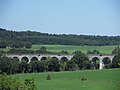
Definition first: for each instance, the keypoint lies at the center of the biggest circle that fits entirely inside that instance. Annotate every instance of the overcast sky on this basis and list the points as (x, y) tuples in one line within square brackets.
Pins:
[(89, 17)]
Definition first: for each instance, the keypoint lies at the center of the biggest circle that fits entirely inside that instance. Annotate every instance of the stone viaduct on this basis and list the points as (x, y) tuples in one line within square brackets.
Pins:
[(40, 56)]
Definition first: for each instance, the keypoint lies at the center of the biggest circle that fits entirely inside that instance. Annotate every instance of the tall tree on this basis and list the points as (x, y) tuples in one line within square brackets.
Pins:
[(71, 66), (54, 64), (23, 67), (80, 59), (42, 50), (116, 59), (8, 65)]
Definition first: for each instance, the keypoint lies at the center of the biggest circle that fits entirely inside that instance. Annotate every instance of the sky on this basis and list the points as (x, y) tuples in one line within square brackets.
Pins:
[(86, 17)]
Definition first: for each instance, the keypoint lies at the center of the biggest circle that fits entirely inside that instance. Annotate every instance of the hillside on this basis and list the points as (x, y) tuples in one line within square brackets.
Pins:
[(27, 38)]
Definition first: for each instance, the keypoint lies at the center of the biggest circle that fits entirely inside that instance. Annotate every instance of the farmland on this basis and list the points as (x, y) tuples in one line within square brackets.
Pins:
[(95, 80), (72, 48)]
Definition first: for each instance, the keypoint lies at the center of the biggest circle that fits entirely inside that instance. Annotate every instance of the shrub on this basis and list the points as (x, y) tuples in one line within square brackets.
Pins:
[(11, 83), (83, 79), (48, 77)]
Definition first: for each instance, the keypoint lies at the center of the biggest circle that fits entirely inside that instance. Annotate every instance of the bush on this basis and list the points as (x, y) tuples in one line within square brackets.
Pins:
[(11, 83), (83, 79), (48, 77), (30, 84)]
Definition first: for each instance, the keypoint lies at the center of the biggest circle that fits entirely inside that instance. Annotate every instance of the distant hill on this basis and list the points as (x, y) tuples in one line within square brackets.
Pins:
[(16, 39)]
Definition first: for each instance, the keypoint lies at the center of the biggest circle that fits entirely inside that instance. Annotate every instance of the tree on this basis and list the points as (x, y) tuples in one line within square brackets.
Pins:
[(3, 44), (27, 45), (54, 64), (33, 66), (79, 58), (64, 52), (42, 50), (93, 52), (96, 52), (48, 77), (116, 59), (37, 66), (63, 66), (71, 66), (86, 64), (42, 66), (115, 51), (23, 67), (8, 65), (2, 52)]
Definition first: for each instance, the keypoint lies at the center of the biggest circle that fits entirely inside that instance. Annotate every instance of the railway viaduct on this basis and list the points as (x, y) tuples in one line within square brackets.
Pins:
[(29, 57)]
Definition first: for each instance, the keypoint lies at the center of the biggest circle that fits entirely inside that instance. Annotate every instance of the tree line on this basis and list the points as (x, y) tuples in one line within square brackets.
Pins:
[(79, 61), (26, 39)]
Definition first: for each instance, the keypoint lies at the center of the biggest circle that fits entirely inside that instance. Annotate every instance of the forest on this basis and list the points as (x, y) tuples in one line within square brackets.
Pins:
[(15, 39)]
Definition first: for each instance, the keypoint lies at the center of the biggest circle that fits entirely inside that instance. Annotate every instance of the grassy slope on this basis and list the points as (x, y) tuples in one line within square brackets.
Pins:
[(72, 48), (96, 80)]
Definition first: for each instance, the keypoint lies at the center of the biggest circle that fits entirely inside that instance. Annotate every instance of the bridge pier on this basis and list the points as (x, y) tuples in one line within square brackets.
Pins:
[(100, 57), (101, 65)]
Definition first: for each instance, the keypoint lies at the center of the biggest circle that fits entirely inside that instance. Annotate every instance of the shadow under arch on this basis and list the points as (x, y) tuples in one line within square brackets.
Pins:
[(34, 59), (106, 61), (95, 62), (43, 58), (54, 58), (63, 59), (16, 59), (25, 59)]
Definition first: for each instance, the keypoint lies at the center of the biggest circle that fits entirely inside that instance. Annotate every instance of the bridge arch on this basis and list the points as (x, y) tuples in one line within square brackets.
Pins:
[(55, 58), (34, 59), (43, 58), (16, 58), (106, 61), (26, 59), (96, 62), (63, 59)]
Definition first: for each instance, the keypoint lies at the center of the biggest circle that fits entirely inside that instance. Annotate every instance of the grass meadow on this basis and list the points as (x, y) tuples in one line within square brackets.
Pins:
[(106, 79), (72, 48)]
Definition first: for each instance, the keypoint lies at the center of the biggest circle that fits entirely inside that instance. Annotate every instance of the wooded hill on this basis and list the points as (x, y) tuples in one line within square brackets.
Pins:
[(9, 38)]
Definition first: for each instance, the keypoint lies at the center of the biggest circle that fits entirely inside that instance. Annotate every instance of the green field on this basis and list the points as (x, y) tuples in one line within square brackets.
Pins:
[(96, 80), (72, 48)]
